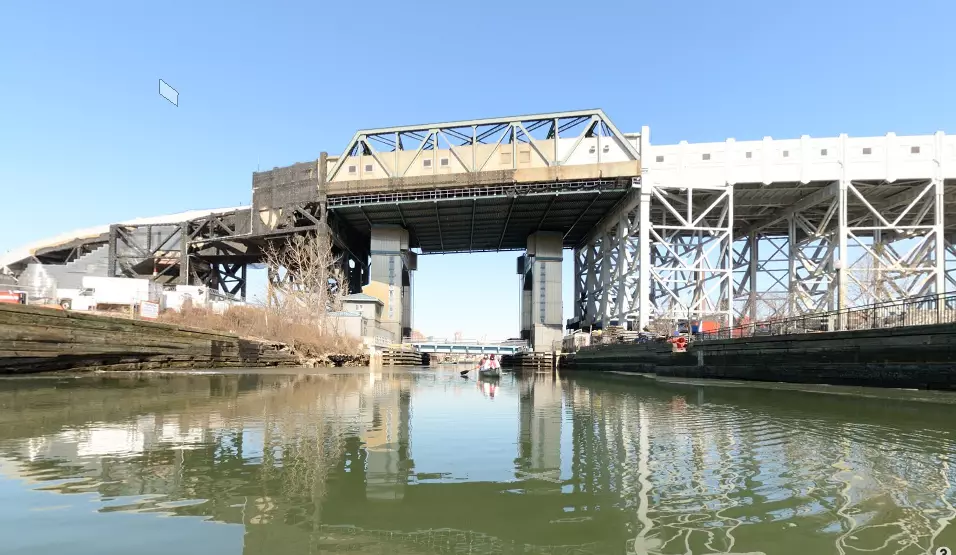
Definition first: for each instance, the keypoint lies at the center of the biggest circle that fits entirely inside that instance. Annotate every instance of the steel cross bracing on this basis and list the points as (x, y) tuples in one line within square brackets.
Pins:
[(761, 277), (464, 139), (855, 243), (154, 251), (950, 257), (665, 255)]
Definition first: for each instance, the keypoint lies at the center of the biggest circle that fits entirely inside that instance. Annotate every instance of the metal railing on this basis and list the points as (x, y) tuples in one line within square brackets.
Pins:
[(912, 311), (466, 342)]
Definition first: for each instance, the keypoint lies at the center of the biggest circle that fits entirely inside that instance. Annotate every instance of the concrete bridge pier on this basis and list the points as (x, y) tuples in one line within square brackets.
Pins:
[(390, 277), (541, 303)]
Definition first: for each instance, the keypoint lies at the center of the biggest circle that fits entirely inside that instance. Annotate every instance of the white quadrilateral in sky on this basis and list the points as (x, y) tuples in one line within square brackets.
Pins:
[(168, 92)]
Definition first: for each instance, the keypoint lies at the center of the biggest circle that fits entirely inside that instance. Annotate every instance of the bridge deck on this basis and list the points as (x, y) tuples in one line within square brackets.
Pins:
[(487, 218)]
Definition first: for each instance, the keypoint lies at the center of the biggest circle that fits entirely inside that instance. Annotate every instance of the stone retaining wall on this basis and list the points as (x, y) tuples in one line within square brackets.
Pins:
[(922, 357), (35, 339)]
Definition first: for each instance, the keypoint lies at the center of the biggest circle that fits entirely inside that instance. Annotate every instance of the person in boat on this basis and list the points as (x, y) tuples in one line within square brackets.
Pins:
[(493, 364), (483, 363)]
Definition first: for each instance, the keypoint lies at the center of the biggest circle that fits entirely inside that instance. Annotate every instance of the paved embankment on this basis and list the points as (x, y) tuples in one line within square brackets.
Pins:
[(34, 339), (922, 357)]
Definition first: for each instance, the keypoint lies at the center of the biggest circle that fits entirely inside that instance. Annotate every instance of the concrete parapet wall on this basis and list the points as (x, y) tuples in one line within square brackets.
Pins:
[(922, 357), (34, 339)]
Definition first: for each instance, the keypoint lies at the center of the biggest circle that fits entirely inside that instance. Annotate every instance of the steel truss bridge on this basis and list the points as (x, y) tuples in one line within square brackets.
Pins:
[(451, 347), (727, 231)]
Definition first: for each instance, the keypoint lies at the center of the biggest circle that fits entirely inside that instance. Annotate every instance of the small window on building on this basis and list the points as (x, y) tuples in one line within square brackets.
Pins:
[(524, 157), (606, 148), (823, 152), (914, 150), (786, 154), (867, 150), (660, 158), (706, 156), (368, 168), (353, 169), (443, 162), (427, 163), (749, 155), (592, 150)]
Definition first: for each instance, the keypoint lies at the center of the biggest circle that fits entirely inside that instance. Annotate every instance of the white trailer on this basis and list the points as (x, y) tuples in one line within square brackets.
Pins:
[(199, 297), (110, 292)]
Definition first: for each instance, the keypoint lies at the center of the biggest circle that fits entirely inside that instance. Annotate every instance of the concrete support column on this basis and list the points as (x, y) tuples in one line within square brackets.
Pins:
[(390, 261), (542, 309), (408, 321)]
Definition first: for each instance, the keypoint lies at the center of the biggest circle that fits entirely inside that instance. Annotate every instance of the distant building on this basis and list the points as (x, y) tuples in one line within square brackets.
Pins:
[(361, 317), (368, 306)]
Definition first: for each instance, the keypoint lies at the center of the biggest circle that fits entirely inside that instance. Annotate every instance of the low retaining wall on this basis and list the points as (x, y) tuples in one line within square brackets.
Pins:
[(34, 339), (921, 357)]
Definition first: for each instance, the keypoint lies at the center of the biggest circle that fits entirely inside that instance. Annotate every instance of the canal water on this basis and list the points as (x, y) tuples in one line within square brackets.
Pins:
[(425, 461)]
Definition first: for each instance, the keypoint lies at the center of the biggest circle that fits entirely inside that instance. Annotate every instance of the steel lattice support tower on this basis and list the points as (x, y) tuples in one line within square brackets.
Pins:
[(673, 249)]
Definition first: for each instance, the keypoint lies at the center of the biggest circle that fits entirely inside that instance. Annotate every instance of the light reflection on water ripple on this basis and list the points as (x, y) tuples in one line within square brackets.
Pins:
[(428, 462)]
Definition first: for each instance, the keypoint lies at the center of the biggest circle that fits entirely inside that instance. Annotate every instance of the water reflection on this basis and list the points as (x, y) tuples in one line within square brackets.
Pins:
[(427, 462)]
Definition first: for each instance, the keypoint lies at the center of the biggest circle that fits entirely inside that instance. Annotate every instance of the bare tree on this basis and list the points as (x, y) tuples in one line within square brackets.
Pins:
[(306, 279), (867, 282)]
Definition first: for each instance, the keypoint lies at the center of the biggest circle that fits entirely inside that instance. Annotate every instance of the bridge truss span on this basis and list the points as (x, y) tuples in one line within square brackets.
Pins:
[(483, 145)]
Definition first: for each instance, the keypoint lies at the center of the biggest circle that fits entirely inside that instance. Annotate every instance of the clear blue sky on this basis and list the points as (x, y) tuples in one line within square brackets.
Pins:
[(85, 138)]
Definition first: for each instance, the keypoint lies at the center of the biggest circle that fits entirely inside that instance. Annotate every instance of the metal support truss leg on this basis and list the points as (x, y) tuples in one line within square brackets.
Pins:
[(840, 257), (645, 287), (580, 276), (691, 263)]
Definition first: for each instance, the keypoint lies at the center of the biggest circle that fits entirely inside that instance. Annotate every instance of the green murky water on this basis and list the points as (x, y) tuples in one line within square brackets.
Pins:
[(424, 461)]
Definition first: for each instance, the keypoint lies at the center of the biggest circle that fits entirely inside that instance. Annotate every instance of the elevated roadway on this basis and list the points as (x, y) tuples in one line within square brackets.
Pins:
[(720, 231)]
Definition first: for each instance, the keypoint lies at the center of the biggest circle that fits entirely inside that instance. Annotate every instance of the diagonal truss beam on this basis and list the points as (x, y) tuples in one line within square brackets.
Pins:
[(514, 129)]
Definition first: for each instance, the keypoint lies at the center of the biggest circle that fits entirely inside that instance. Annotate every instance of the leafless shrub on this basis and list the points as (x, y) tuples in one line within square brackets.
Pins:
[(306, 340), (306, 282)]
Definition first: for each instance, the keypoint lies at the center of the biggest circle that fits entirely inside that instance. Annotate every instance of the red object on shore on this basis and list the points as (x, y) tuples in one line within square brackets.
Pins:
[(13, 297), (679, 342)]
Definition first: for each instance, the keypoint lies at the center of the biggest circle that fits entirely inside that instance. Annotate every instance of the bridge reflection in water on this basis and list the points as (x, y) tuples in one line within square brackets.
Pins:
[(421, 462)]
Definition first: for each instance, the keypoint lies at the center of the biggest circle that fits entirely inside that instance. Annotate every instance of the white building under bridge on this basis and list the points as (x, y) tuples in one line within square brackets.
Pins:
[(658, 232)]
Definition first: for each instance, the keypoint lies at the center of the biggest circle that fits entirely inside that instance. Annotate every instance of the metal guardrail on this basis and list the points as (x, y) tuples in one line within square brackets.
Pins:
[(466, 342), (912, 311)]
